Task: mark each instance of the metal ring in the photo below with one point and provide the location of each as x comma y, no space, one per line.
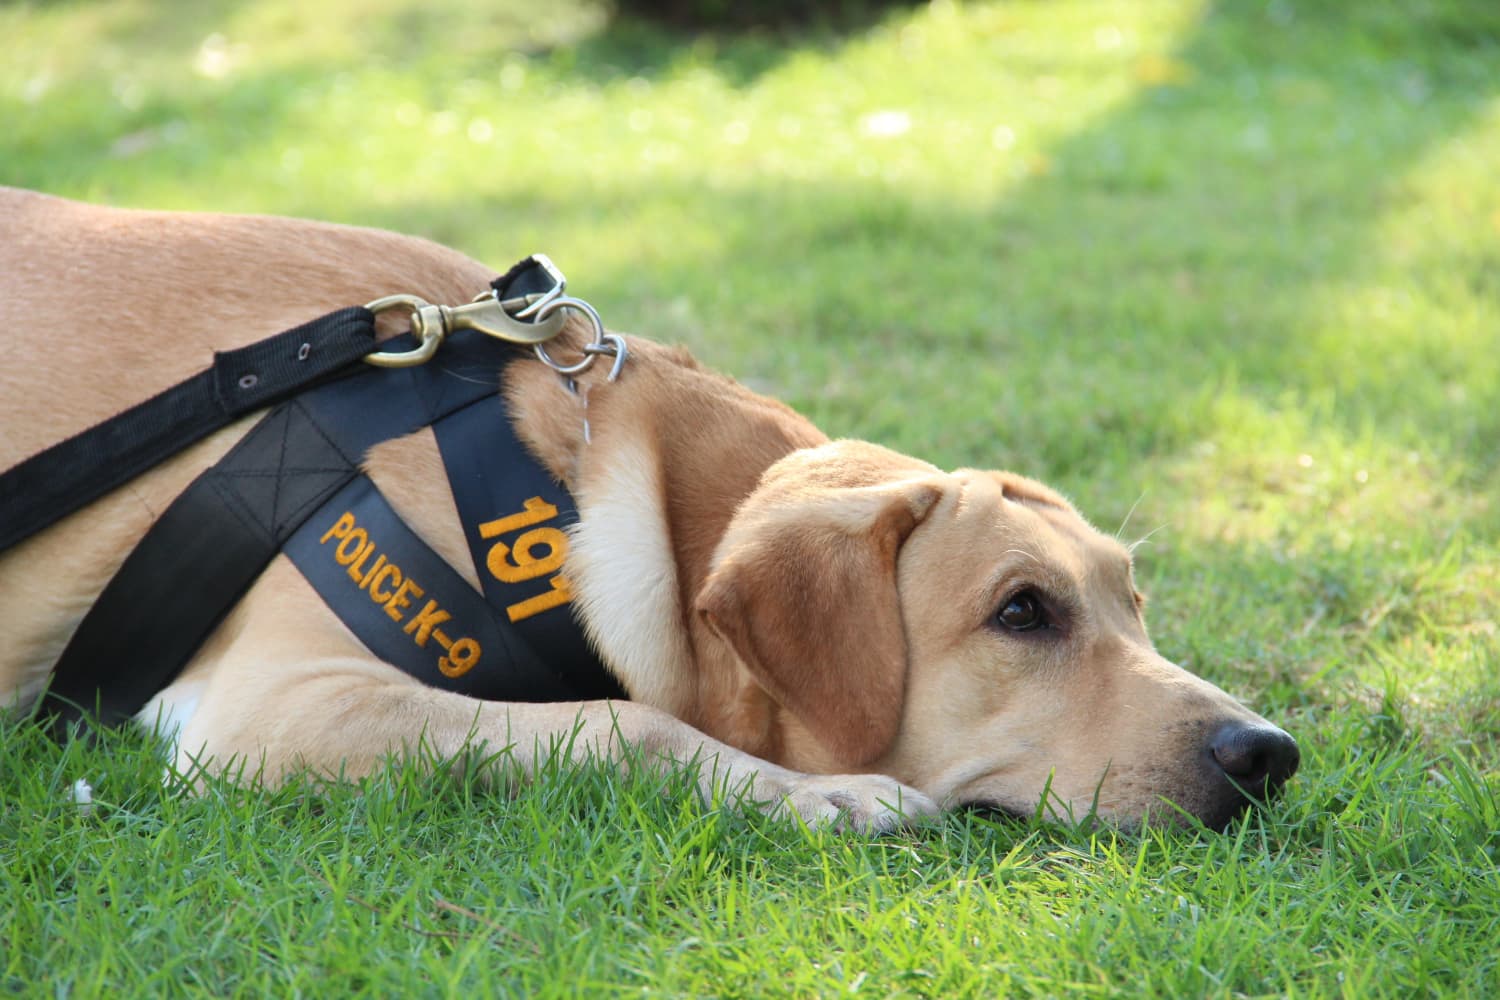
600,337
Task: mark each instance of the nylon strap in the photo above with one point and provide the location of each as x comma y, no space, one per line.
192,566
409,607
54,483
516,517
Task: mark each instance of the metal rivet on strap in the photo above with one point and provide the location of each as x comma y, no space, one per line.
250,381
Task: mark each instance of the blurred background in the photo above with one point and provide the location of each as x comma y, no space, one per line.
1227,273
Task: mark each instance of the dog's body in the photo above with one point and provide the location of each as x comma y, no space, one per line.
860,633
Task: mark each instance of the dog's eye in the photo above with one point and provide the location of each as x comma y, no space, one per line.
1022,612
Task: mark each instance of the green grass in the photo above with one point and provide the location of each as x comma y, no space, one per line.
1234,266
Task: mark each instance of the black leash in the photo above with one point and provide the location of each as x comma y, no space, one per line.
68,476
52,484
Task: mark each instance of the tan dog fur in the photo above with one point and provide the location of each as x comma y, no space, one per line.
816,616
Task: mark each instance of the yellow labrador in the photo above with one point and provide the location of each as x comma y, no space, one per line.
857,635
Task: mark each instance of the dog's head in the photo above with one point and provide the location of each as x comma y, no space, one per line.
970,634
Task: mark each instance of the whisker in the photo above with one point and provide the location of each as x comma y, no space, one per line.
485,376
1121,529
1144,538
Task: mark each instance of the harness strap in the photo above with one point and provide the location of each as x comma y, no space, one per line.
54,483
237,515
516,520
189,570
412,609
493,479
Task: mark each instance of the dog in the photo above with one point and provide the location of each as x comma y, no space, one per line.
845,633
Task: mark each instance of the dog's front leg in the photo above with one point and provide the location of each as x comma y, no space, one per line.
348,717
629,732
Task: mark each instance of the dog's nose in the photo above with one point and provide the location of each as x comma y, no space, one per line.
1257,757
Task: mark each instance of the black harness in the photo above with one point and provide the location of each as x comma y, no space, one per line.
293,484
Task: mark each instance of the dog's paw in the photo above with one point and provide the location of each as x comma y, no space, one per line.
871,803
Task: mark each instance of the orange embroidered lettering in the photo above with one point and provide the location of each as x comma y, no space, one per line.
537,510
519,561
462,657
340,527
376,578
559,595
356,570
380,564
421,626
356,536
394,591
526,565
402,599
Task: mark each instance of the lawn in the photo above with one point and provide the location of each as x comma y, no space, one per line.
1228,274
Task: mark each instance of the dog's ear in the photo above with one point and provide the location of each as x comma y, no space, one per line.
804,589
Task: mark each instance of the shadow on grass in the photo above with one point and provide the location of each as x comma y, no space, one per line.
633,45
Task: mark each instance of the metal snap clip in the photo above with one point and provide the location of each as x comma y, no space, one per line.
432,333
